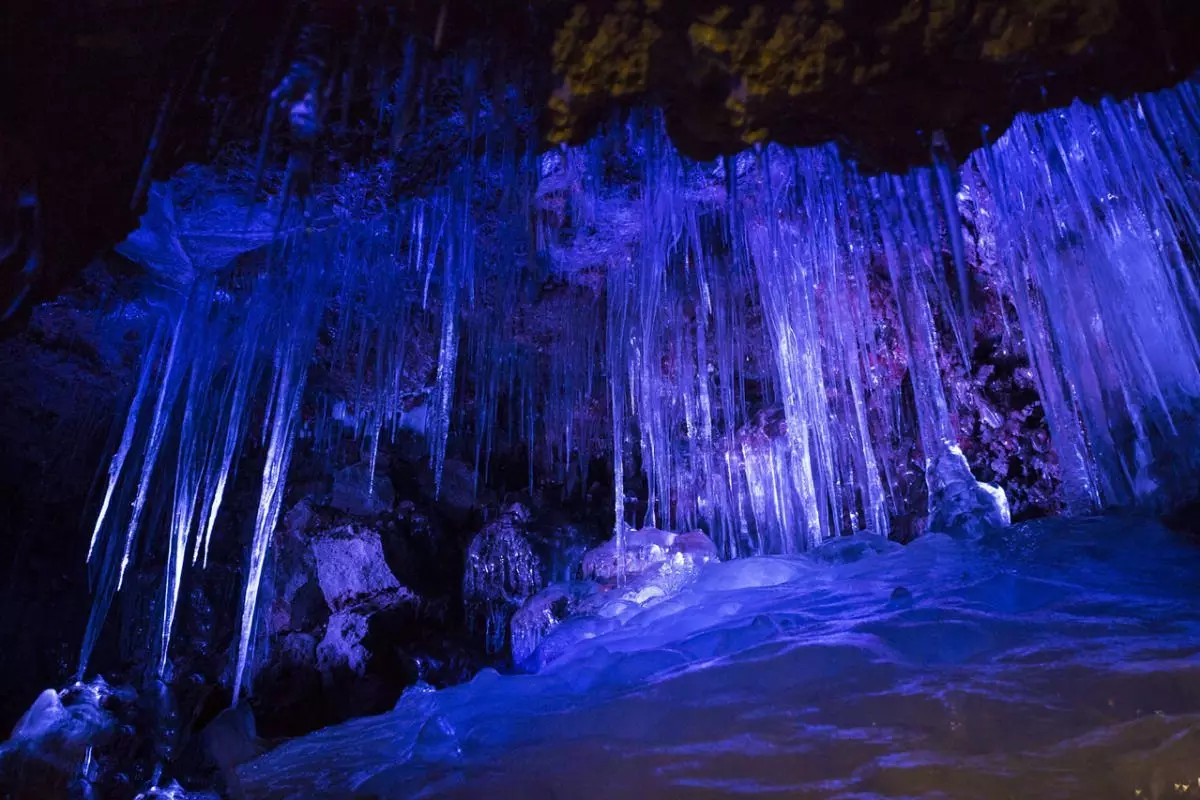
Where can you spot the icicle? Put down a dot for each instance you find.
(131, 423)
(290, 376)
(158, 426)
(618, 307)
(160, 124)
(947, 181)
(763, 321)
(234, 417)
(187, 485)
(447, 361)
(305, 300)
(1103, 296)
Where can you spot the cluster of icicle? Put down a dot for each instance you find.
(1086, 214)
(227, 371)
(786, 268)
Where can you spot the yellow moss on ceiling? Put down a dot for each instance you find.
(611, 58)
(771, 56)
(1067, 26)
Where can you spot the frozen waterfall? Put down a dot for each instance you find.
(777, 279)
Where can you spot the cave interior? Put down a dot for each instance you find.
(615, 398)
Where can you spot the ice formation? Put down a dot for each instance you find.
(622, 574)
(501, 571)
(828, 282)
(1051, 660)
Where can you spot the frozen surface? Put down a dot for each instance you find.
(1055, 659)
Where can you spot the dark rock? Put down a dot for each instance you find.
(229, 740)
(333, 585)
(804, 73)
(880, 79)
(901, 597)
(458, 499)
(560, 550)
(357, 492)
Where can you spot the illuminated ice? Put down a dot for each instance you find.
(1050, 660)
(841, 297)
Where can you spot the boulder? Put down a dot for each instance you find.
(347, 566)
(342, 648)
(351, 570)
(324, 568)
(231, 739)
(333, 583)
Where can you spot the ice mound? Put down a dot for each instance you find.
(959, 505)
(648, 567)
(1047, 660)
(645, 548)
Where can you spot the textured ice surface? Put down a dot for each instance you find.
(657, 565)
(1055, 659)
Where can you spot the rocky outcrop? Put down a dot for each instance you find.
(1002, 429)
(196, 223)
(61, 382)
(878, 78)
(334, 585)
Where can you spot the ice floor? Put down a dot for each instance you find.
(1060, 660)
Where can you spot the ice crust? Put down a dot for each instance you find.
(1051, 659)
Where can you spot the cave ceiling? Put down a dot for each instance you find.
(103, 96)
